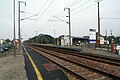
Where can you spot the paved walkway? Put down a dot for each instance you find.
(12, 68)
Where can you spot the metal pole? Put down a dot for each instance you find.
(69, 26)
(36, 33)
(14, 28)
(106, 40)
(106, 35)
(106, 32)
(98, 35)
(98, 23)
(54, 37)
(111, 32)
(19, 23)
(111, 36)
(19, 32)
(36, 39)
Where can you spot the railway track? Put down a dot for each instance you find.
(81, 67)
(100, 58)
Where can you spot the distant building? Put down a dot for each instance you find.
(86, 37)
(92, 36)
(2, 41)
(79, 41)
(63, 40)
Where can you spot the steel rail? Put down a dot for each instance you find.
(96, 57)
(98, 70)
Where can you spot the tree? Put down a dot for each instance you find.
(41, 38)
(7, 40)
(116, 39)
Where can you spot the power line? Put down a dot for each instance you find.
(27, 12)
(71, 5)
(109, 18)
(74, 3)
(59, 13)
(81, 5)
(43, 6)
(46, 9)
(84, 9)
(30, 16)
(60, 19)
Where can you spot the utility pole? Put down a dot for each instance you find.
(111, 36)
(54, 37)
(36, 33)
(14, 28)
(106, 32)
(36, 39)
(98, 1)
(19, 32)
(111, 32)
(69, 25)
(19, 23)
(98, 18)
(106, 35)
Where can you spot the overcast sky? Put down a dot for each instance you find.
(83, 17)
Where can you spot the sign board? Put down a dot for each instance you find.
(92, 35)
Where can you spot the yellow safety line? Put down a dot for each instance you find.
(39, 77)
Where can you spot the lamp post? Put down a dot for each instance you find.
(69, 25)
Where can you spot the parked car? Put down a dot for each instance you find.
(5, 48)
(1, 50)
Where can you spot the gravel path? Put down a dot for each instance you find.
(12, 68)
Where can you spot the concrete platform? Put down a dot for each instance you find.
(48, 70)
(100, 52)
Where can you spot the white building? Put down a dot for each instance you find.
(92, 35)
(64, 39)
(2, 41)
